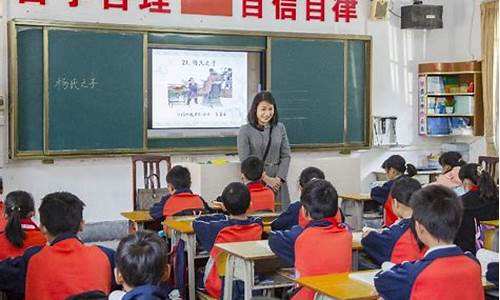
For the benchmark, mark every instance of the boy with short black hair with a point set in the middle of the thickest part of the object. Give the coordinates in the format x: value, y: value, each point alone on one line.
x: 324, y: 238
x: 398, y: 242
x: 141, y: 260
x: 445, y: 272
x: 42, y: 272
x: 221, y: 228
x: 180, y: 200
x: 261, y: 197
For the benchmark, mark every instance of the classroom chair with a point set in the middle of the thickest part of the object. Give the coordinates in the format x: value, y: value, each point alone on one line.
x: 228, y: 235
x: 152, y: 174
x: 490, y: 164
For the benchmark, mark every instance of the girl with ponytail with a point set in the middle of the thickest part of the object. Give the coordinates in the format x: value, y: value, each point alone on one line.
x: 450, y: 162
x: 20, y: 232
x: 480, y: 204
x: 395, y: 166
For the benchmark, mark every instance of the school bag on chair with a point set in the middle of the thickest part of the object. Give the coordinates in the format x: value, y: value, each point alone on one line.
x: 147, y: 196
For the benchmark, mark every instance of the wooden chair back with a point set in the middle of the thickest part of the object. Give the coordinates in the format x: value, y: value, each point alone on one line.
x: 151, y: 164
x: 490, y: 165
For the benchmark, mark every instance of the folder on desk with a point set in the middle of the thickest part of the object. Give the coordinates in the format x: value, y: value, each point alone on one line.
x: 366, y: 277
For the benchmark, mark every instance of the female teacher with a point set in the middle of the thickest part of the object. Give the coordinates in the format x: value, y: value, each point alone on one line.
x: 265, y: 138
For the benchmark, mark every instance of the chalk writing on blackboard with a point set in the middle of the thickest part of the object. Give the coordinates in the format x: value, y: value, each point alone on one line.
x: 74, y: 83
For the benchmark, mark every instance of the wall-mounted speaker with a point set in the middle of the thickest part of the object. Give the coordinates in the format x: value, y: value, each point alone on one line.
x: 420, y: 16
x: 379, y: 9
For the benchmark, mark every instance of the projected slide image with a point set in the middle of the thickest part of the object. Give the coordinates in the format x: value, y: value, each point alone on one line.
x: 209, y: 92
x: 198, y: 89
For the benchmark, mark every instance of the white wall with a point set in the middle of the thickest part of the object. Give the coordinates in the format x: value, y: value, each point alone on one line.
x: 105, y: 183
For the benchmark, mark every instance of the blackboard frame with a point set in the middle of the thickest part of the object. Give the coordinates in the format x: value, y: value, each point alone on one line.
x: 147, y: 146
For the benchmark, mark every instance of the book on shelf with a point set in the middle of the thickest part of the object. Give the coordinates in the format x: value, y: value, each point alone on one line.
x: 461, y: 126
x: 464, y: 105
x: 435, y: 84
x: 438, y: 126
x: 451, y: 84
x: 431, y: 105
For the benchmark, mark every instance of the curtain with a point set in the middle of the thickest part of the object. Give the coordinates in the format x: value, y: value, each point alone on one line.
x: 489, y: 49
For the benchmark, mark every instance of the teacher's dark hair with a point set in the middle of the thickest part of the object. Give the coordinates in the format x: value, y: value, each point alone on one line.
x: 252, y: 113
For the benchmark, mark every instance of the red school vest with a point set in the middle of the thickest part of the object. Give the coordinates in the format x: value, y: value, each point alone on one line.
x: 180, y: 202
x: 389, y: 215
x: 67, y: 268
x: 34, y: 237
x: 406, y: 249
x: 234, y: 233
x: 331, y: 247
x: 449, y: 278
x: 303, y: 220
x: 261, y: 198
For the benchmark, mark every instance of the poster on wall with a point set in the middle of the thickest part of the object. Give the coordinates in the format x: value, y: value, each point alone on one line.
x: 198, y: 89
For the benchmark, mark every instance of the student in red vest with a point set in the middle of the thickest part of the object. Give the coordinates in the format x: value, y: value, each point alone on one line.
x: 445, y: 272
x: 395, y: 166
x: 295, y: 213
x: 65, y: 266
x: 398, y: 242
x: 141, y: 260
x: 21, y: 232
x: 180, y: 200
x: 222, y: 228
x: 261, y: 197
x: 329, y: 242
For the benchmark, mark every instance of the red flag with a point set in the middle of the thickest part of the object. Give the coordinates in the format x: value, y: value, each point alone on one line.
x: 207, y: 7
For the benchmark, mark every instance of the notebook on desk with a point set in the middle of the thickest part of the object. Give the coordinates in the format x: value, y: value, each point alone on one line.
x: 366, y: 277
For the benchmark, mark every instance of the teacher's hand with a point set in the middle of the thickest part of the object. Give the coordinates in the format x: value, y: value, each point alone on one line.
x: 273, y: 182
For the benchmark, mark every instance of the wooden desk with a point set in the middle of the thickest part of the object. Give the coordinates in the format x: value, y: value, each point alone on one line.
x: 182, y: 228
x: 341, y: 287
x: 267, y: 217
x: 241, y: 260
x: 137, y: 215
x: 353, y: 205
x: 491, y: 235
x: 185, y: 224
x: 491, y: 223
x: 137, y: 219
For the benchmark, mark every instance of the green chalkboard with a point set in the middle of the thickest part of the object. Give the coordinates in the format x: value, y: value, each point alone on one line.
x: 29, y: 104
x: 81, y: 90
x: 307, y: 79
x: 356, y: 93
x: 95, y: 91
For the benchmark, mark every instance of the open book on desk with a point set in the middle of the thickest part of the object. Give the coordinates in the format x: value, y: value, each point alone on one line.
x: 365, y: 277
